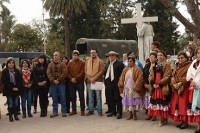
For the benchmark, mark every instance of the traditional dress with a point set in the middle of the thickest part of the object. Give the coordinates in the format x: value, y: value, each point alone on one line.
x: 159, y: 102
x: 131, y: 86
x: 193, y: 75
x: 179, y: 100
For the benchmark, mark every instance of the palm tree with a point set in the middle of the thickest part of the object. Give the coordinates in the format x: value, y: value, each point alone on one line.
x: 65, y: 8
x: 6, y: 24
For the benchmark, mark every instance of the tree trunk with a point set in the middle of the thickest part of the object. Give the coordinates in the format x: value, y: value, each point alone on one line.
x: 174, y: 11
x: 66, y: 27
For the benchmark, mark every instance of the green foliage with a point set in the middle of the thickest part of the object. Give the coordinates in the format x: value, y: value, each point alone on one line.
x: 54, y: 43
x: 24, y: 38
x: 111, y: 13
x: 165, y: 28
x: 88, y: 24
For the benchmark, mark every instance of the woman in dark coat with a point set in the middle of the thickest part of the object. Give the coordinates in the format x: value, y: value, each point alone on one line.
x: 12, y: 81
x: 41, y: 82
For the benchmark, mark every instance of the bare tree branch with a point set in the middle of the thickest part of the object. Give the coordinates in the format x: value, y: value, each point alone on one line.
x: 174, y: 11
x: 193, y: 10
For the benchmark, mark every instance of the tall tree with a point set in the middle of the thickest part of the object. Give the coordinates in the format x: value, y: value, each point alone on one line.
x: 88, y: 24
x: 165, y: 29
x: 111, y: 13
x: 24, y: 38
x: 6, y: 24
x: 193, y: 10
x: 65, y: 8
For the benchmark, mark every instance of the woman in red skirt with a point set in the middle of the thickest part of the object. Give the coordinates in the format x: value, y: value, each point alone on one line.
x: 159, y: 79
x: 180, y: 90
x: 193, y: 75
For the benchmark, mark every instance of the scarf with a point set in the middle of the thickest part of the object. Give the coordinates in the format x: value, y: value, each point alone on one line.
x: 110, y: 71
x: 26, y: 75
x: 12, y: 76
x: 92, y: 66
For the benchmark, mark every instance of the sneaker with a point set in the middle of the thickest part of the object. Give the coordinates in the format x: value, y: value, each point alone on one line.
x: 53, y: 115
x: 64, y: 115
x: 100, y: 113
x: 82, y: 113
x: 89, y: 113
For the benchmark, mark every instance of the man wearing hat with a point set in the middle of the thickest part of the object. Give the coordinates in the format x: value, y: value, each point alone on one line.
x: 113, y: 70
x: 75, y: 70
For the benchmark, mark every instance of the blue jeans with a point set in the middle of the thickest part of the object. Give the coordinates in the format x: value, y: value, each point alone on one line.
x: 27, y: 97
x: 80, y: 88
x: 55, y: 91
x: 13, y: 102
x: 91, y: 99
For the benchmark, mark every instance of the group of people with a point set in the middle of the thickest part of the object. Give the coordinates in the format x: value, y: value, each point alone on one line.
x: 162, y: 90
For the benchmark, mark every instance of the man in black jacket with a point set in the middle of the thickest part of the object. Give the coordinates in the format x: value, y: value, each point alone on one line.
x: 113, y: 70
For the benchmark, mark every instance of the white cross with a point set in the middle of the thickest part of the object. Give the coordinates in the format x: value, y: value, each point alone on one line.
x: 139, y: 20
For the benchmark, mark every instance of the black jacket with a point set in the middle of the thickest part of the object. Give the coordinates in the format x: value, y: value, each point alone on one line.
x: 8, y: 86
x: 112, y: 86
x: 39, y: 74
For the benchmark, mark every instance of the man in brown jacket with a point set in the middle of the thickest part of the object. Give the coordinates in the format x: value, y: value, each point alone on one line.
x: 57, y: 73
x: 94, y: 69
x: 76, y: 74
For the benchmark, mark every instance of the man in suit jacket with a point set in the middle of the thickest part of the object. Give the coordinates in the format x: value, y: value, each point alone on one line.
x: 113, y: 70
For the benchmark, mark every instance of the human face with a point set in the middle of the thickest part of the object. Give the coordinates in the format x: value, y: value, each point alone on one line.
x: 153, y: 46
x: 41, y: 60
x: 93, y: 54
x: 198, y: 42
x: 125, y: 57
x: 198, y: 55
x: 160, y: 57
x: 132, y: 55
x: 25, y: 64
x: 181, y: 59
x: 65, y: 60
x: 56, y: 56
x: 11, y: 64
x: 130, y: 63
x: 152, y: 58
x: 75, y: 57
x: 112, y: 58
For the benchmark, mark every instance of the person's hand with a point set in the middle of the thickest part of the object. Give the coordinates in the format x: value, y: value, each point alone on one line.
x: 39, y: 83
x: 155, y: 86
x: 193, y: 83
x: 56, y: 82
x: 122, y: 95
x: 29, y: 85
x: 73, y: 80
x: 92, y: 80
x: 15, y: 89
x: 43, y: 83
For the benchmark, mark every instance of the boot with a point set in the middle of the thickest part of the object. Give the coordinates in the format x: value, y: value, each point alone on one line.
x: 11, y: 115
x: 134, y: 115
x: 42, y: 113
x: 45, y: 112
x: 130, y: 116
x: 16, y: 115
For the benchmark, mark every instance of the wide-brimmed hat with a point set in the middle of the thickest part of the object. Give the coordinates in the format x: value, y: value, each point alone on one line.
x: 112, y: 53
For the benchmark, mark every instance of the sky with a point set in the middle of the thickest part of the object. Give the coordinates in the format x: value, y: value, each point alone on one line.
x: 27, y: 10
